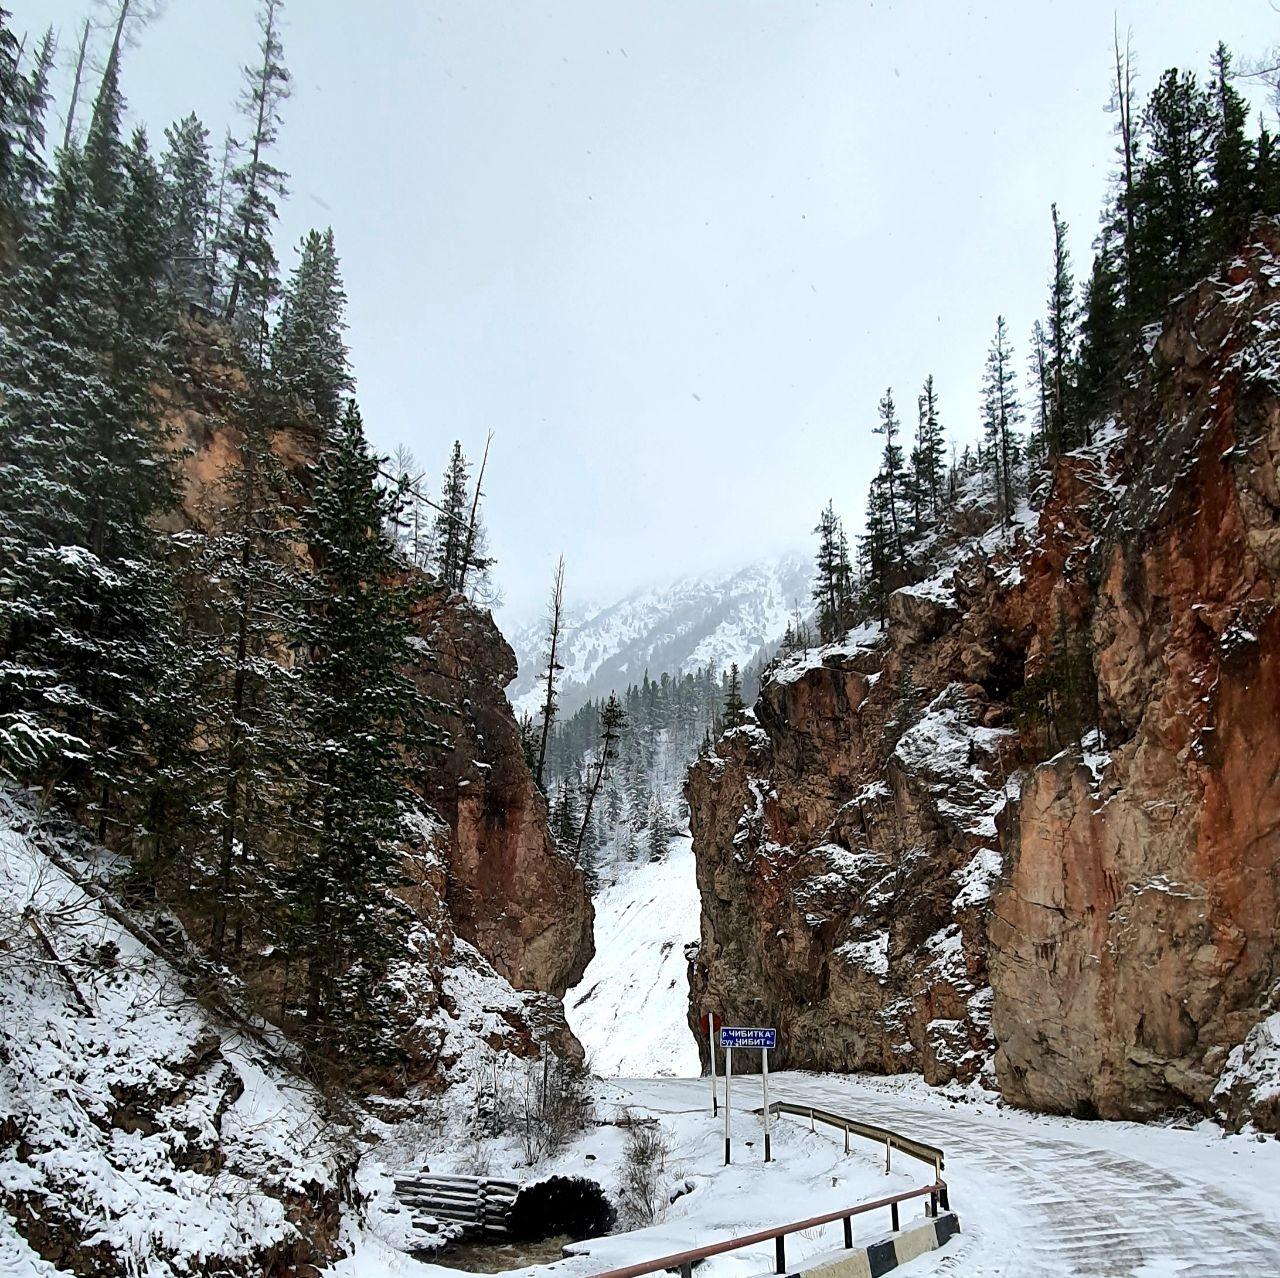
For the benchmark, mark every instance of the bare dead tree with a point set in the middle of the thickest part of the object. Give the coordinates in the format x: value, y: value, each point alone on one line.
x: 1122, y: 104
x: 556, y: 620
x: 75, y: 84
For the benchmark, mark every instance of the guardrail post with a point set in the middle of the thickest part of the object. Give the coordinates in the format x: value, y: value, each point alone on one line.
x: 945, y: 1196
x: 933, y: 1203
x: 686, y: 1270
x: 848, y: 1233
x: 811, y: 1126
x: 780, y: 1254
x: 888, y: 1147
x: 893, y: 1215
x: 846, y: 1138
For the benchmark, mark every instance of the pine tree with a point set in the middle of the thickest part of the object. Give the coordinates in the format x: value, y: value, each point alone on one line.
x: 930, y: 447
x: 555, y: 621
x: 832, y: 588
x: 23, y: 102
x: 246, y: 685
x: 188, y: 180
x: 1231, y: 193
x: 308, y: 353
x: 734, y: 714
x: 451, y: 521
x: 659, y: 829
x: 1060, y: 332
x: 1171, y: 192
x: 1000, y: 414
x: 257, y: 184
x: 1038, y: 367
x: 476, y: 562
x: 1266, y: 174
x: 891, y: 467
x: 85, y: 614
x: 1102, y: 335
x: 362, y: 724
x: 612, y: 722
x: 14, y: 92
x: 875, y: 552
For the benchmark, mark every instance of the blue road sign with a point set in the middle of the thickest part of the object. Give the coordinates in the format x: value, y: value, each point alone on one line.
x: 757, y: 1038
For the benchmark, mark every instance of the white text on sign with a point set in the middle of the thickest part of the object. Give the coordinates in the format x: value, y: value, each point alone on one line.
x: 761, y: 1039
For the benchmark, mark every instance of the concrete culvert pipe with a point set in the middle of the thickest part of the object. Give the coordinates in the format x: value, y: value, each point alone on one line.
x: 561, y: 1205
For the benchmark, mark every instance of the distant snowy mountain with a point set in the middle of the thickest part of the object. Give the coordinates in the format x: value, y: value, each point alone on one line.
x: 687, y: 624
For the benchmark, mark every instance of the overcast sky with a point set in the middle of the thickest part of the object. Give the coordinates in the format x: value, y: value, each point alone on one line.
x: 671, y: 252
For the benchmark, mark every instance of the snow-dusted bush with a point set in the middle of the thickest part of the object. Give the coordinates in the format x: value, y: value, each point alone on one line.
x: 544, y: 1103
x: 644, y: 1164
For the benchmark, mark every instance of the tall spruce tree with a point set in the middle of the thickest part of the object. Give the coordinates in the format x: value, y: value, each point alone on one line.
x: 86, y: 621
x: 1232, y: 195
x: 362, y: 725
x: 1060, y: 332
x: 1102, y: 334
x: 1123, y: 102
x: 25, y: 116
x: 188, y: 177
x: 734, y: 713
x: 555, y: 623
x: 1000, y: 415
x: 891, y: 463
x: 875, y: 552
x: 930, y: 453
x: 308, y: 353
x: 257, y: 184
x: 1038, y: 368
x: 832, y: 588
x: 613, y: 721
x: 451, y: 521
x: 1171, y: 193
x: 248, y: 586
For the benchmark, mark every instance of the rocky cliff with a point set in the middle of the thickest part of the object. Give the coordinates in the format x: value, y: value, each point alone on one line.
x: 510, y: 891
x: 497, y: 900
x: 1030, y: 829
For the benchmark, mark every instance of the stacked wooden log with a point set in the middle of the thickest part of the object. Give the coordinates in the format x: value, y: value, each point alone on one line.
x: 480, y: 1204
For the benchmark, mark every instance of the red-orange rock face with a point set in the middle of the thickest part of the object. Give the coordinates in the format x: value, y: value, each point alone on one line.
x: 907, y: 866
x: 511, y: 892
x: 1138, y: 939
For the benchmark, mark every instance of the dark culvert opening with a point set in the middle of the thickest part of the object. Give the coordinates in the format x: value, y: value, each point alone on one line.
x: 561, y: 1206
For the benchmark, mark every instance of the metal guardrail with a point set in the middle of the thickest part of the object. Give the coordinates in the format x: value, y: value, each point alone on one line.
x: 685, y: 1260
x: 891, y: 1140
x: 936, y: 1192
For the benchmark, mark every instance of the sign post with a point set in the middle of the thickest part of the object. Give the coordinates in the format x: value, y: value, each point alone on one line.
x: 764, y: 1078
x: 728, y: 1074
x: 758, y: 1039
x: 711, y: 1048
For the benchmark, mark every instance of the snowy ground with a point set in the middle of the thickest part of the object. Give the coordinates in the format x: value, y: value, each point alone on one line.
x: 1036, y: 1196
x: 162, y: 1139
x: 810, y: 1174
x: 629, y: 1009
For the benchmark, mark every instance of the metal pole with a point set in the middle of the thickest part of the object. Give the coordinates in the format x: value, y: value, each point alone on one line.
x: 728, y: 1074
x: 711, y: 1047
x: 764, y: 1077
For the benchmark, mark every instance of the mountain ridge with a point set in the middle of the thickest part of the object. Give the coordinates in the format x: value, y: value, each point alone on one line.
x: 687, y: 623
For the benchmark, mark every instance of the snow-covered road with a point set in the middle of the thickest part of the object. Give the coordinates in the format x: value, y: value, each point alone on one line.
x: 1051, y: 1196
